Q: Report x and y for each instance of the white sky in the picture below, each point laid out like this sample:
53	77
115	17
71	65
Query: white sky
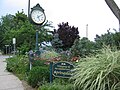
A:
79	13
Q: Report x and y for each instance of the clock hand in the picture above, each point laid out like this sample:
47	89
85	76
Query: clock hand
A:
38	17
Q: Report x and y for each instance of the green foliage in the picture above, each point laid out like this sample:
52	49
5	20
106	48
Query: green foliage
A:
62	81
57	43
58	84
116	37
44	32
5	26
83	47
109	38
38	75
23	31
23	48
19	28
39	63
105	39
18	65
100	72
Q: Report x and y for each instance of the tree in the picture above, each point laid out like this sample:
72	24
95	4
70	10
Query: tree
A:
67	34
108	39
45	33
116	38
56	42
5	27
83	47
23	31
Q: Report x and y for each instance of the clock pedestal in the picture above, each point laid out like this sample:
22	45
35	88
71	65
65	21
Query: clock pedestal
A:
36	46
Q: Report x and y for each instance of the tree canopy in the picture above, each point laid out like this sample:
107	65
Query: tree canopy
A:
18	26
67	35
109	39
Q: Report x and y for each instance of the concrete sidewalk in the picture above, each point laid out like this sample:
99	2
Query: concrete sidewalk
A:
7	80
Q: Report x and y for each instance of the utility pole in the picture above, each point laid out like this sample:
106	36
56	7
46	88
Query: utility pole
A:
28	18
28	7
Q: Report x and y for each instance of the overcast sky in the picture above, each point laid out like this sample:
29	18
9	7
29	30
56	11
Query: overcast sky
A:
79	13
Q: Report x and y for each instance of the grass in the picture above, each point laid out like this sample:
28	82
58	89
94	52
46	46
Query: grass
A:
100	72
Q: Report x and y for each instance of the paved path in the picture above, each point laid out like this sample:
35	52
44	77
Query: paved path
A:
7	80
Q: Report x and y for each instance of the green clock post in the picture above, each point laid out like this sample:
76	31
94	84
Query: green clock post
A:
37	17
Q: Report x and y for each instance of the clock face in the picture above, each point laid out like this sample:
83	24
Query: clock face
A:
38	16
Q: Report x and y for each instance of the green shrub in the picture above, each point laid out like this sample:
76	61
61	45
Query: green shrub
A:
39	63
38	75
56	86
23	48
101	72
19	65
62	81
83	47
11	64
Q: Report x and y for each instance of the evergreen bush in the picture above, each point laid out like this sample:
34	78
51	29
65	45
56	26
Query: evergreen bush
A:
56	86
38	75
39	63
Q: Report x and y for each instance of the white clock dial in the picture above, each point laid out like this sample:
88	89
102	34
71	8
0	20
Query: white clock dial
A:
38	16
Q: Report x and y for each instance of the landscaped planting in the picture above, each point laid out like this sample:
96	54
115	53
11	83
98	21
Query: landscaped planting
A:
38	75
99	72
19	65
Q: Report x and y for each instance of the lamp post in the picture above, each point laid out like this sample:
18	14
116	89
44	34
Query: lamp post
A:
36	17
28	7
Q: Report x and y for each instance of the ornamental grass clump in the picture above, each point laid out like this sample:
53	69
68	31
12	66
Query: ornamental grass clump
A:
100	72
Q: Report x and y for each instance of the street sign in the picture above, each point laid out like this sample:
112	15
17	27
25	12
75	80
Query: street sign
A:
6	45
114	8
62	69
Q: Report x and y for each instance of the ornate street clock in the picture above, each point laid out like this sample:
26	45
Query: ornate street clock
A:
37	15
